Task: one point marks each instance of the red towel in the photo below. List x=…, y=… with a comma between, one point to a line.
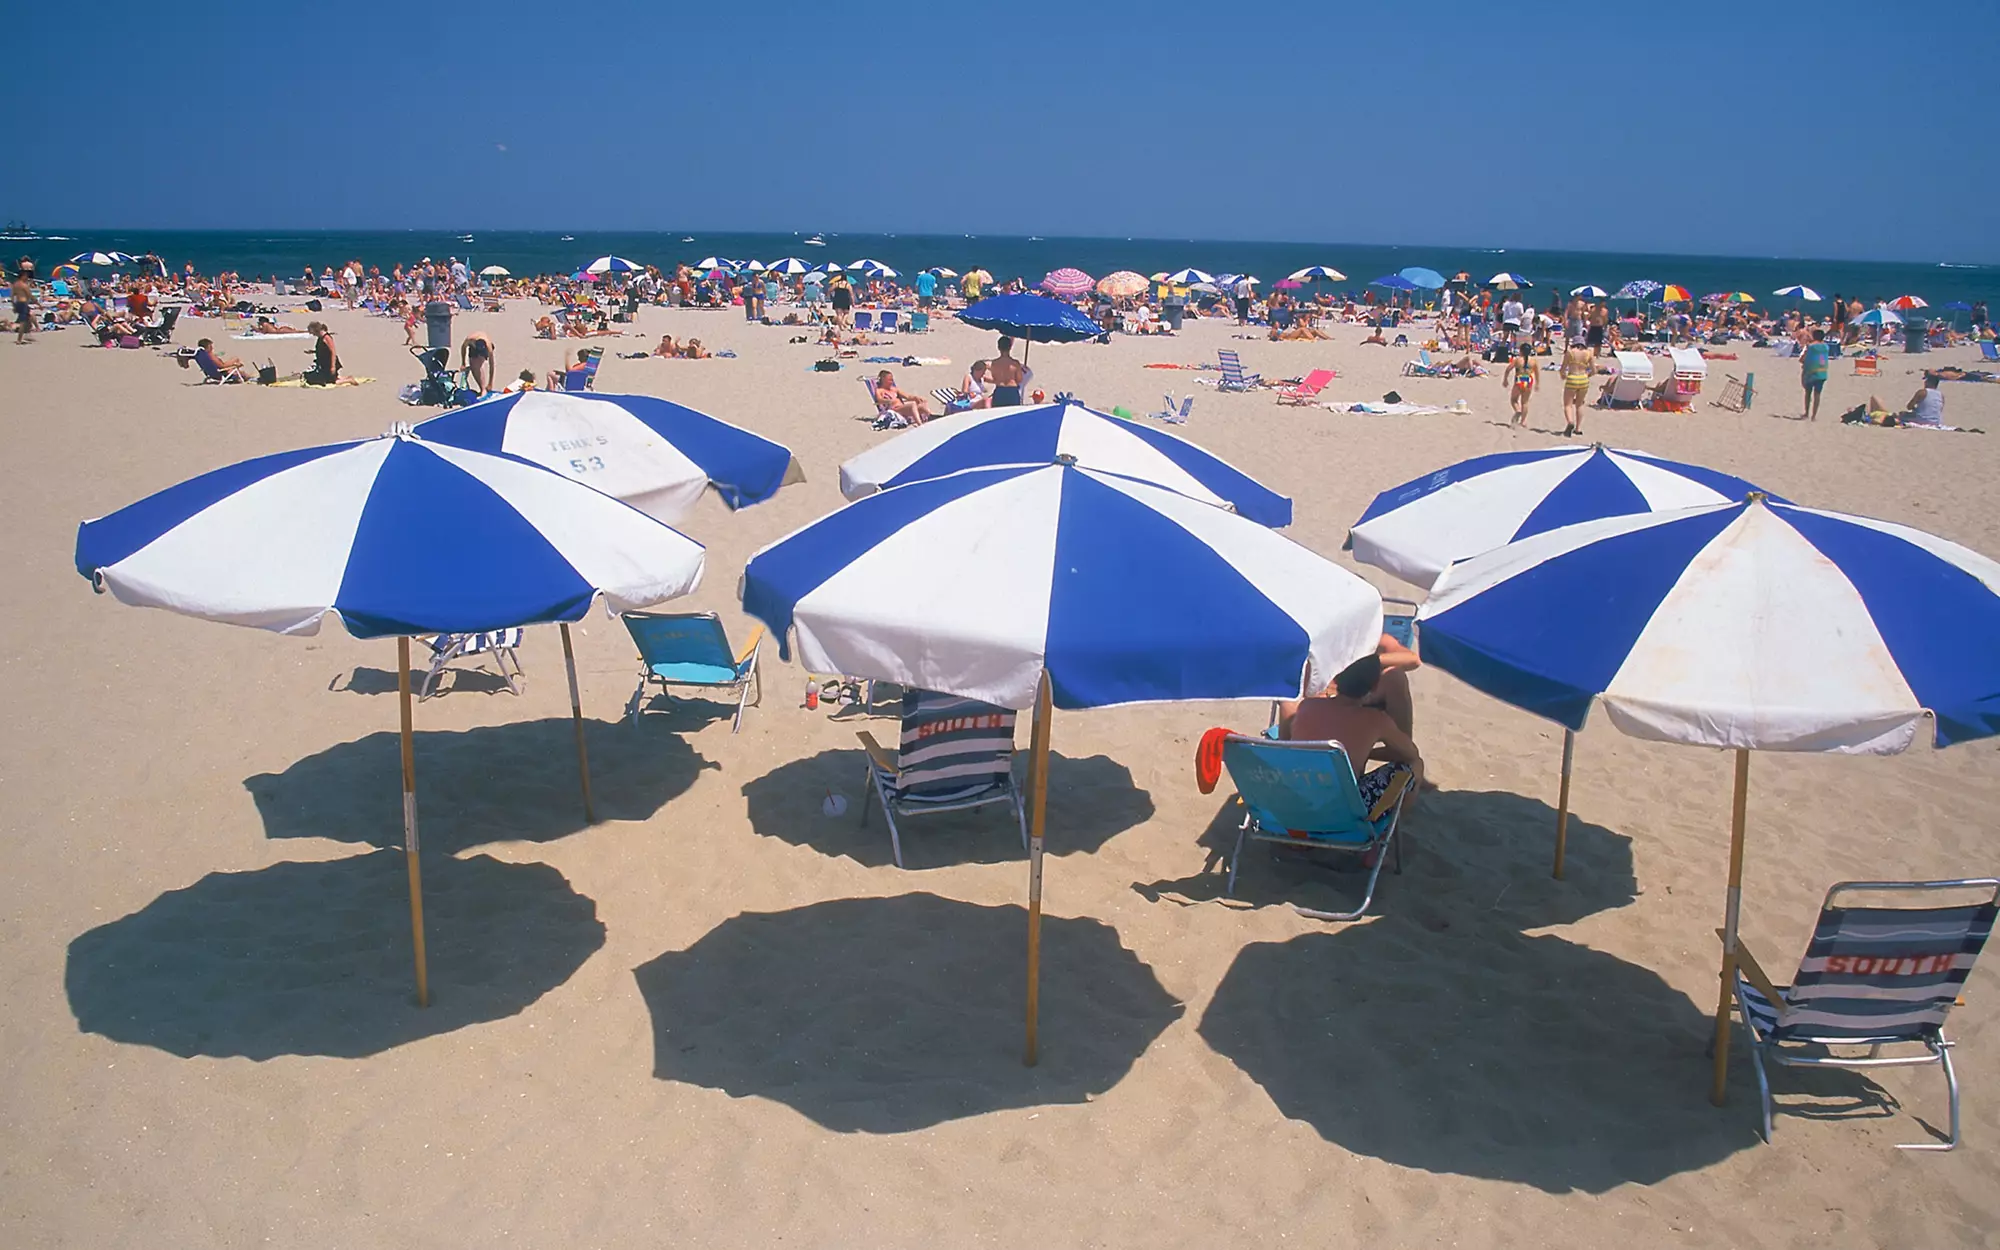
x=1208, y=759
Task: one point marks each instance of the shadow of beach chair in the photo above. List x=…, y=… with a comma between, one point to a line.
x=1308, y=388
x=1871, y=976
x=1304, y=795
x=954, y=754
x=447, y=649
x=691, y=650
x=1233, y=377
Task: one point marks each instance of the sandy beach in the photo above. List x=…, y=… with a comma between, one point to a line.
x=719, y=1017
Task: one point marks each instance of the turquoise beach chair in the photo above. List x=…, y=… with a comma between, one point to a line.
x=691, y=649
x=1303, y=795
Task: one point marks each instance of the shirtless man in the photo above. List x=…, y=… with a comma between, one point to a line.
x=1006, y=374
x=1365, y=732
x=24, y=312
x=475, y=356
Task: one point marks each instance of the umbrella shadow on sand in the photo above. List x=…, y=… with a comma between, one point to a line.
x=315, y=958
x=1479, y=1052
x=1091, y=801
x=888, y=1015
x=1465, y=852
x=496, y=783
x=461, y=680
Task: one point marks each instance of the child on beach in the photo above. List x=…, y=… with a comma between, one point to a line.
x=1813, y=363
x=1519, y=379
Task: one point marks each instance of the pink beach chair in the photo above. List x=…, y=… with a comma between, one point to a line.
x=1308, y=388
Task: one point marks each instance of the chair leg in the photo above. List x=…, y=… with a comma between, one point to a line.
x=1236, y=856
x=895, y=835
x=1942, y=1049
x=1367, y=897
x=1763, y=1082
x=742, y=698
x=638, y=699
x=867, y=791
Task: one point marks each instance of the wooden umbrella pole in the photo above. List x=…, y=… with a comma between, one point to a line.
x=1562, y=804
x=410, y=824
x=576, y=716
x=1038, y=779
x=1731, y=910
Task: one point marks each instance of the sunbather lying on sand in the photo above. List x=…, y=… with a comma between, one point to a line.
x=693, y=350
x=1375, y=339
x=667, y=347
x=267, y=326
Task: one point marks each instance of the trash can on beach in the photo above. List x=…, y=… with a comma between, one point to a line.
x=1175, y=310
x=1916, y=335
x=437, y=323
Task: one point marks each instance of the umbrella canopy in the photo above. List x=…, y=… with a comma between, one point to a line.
x=1120, y=590
x=1395, y=282
x=495, y=271
x=942, y=272
x=1959, y=305
x=866, y=262
x=1288, y=284
x=1044, y=434
x=1637, y=288
x=1419, y=529
x=611, y=264
x=719, y=262
x=281, y=541
x=1318, y=271
x=875, y=269
x=1905, y=303
x=1590, y=292
x=1671, y=294
x=1122, y=284
x=1035, y=318
x=789, y=265
x=1426, y=279
x=826, y=267
x=752, y=266
x=654, y=454
x=1799, y=291
x=1881, y=317
x=1067, y=282
x=1507, y=282
x=1182, y=277
x=101, y=258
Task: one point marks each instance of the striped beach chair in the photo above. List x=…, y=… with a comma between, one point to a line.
x=1233, y=377
x=448, y=649
x=1874, y=976
x=955, y=753
x=1304, y=795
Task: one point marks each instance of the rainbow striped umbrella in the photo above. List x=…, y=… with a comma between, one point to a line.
x=1067, y=282
x=1671, y=294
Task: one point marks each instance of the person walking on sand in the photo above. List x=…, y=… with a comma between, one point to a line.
x=1577, y=364
x=1007, y=375
x=24, y=312
x=1519, y=379
x=1813, y=362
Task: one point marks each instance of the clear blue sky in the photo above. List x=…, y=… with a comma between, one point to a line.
x=1747, y=128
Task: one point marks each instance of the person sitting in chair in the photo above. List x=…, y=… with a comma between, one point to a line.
x=558, y=381
x=911, y=408
x=222, y=368
x=1353, y=714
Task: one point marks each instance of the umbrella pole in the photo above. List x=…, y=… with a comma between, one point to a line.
x=1730, y=912
x=576, y=716
x=1562, y=804
x=1039, y=783
x=410, y=824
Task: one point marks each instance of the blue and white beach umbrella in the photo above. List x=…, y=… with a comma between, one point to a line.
x=1799, y=292
x=652, y=453
x=1318, y=271
x=752, y=266
x=1122, y=591
x=715, y=262
x=1881, y=317
x=1394, y=282
x=1184, y=277
x=1590, y=292
x=1043, y=433
x=1419, y=529
x=1637, y=288
x=826, y=266
x=1032, y=318
x=790, y=266
x=101, y=258
x=612, y=264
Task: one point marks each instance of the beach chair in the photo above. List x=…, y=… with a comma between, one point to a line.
x=1173, y=417
x=211, y=372
x=1304, y=795
x=1871, y=976
x=886, y=418
x=464, y=301
x=691, y=649
x=950, y=399
x=447, y=649
x=864, y=320
x=1308, y=388
x=1422, y=366
x=1738, y=393
x=1868, y=365
x=1989, y=350
x=955, y=753
x=1401, y=340
x=585, y=378
x=887, y=322
x=920, y=323
x=163, y=332
x=1233, y=377
x=1679, y=391
x=1400, y=624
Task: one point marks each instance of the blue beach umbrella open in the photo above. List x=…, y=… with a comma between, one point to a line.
x=1032, y=319
x=611, y=264
x=1059, y=586
x=1394, y=282
x=1422, y=278
x=284, y=541
x=104, y=259
x=1187, y=277
x=1814, y=631
x=1589, y=292
x=791, y=266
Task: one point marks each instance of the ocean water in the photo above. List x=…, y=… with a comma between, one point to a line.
x=255, y=254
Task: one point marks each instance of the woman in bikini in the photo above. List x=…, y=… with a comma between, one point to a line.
x=1576, y=370
x=1519, y=379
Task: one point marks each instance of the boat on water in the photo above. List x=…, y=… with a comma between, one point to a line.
x=815, y=241
x=568, y=238
x=465, y=238
x=18, y=230
x=687, y=238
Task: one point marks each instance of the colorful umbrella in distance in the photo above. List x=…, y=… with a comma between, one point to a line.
x=1908, y=302
x=1671, y=294
x=1122, y=284
x=1590, y=292
x=1798, y=291
x=1066, y=282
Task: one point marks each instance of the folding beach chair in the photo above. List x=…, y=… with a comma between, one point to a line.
x=1422, y=366
x=1868, y=366
x=691, y=649
x=585, y=378
x=1233, y=377
x=1308, y=388
x=864, y=320
x=1400, y=624
x=1989, y=350
x=1173, y=417
x=950, y=399
x=955, y=753
x=920, y=323
x=163, y=332
x=447, y=649
x=212, y=372
x=886, y=324
x=1872, y=976
x=1304, y=795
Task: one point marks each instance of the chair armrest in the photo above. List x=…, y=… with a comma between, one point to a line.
x=1390, y=797
x=878, y=754
x=1753, y=972
x=749, y=648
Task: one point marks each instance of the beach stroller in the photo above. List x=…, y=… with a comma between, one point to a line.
x=1874, y=976
x=439, y=385
x=955, y=753
x=1631, y=378
x=1304, y=795
x=1678, y=393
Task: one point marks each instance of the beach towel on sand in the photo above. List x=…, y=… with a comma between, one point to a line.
x=301, y=382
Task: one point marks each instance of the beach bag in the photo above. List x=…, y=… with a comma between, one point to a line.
x=313, y=305
x=267, y=374
x=828, y=365
x=129, y=340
